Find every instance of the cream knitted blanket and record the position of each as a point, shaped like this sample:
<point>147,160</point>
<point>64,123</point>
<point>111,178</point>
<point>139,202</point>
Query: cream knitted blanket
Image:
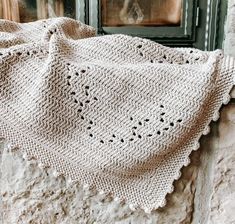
<point>119,113</point>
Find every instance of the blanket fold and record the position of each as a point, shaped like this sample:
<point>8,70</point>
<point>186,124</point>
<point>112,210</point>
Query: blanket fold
<point>116,112</point>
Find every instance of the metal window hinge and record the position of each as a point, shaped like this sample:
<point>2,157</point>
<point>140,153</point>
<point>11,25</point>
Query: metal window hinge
<point>197,16</point>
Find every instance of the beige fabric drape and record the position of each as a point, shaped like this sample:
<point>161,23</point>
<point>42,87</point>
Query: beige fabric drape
<point>113,112</point>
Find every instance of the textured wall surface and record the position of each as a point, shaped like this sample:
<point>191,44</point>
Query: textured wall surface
<point>222,204</point>
<point>215,190</point>
<point>229,43</point>
<point>34,195</point>
<point>223,196</point>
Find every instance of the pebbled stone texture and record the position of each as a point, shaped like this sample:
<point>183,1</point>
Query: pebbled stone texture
<point>222,204</point>
<point>34,195</point>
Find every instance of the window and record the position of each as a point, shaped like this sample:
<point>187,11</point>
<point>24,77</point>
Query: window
<point>179,23</point>
<point>138,13</point>
<point>155,19</point>
<point>30,10</point>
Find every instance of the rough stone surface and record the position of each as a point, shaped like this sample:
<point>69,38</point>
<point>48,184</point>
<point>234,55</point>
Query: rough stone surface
<point>215,189</point>
<point>204,182</point>
<point>222,201</point>
<point>222,204</point>
<point>229,42</point>
<point>34,195</point>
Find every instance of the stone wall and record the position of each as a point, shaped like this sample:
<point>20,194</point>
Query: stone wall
<point>222,204</point>
<point>229,43</point>
<point>34,195</point>
<point>215,190</point>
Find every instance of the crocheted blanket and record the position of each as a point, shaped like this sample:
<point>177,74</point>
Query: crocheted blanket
<point>115,112</point>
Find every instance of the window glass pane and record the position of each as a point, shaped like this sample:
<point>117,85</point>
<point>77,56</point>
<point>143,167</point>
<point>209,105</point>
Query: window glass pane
<point>141,12</point>
<point>30,10</point>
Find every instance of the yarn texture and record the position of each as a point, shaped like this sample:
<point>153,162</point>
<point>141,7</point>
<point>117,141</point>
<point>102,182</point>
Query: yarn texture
<point>115,112</point>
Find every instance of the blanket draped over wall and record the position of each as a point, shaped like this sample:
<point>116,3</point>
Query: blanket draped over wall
<point>115,112</point>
